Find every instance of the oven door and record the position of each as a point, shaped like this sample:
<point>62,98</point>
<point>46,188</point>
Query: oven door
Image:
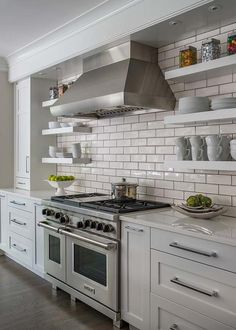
<point>54,251</point>
<point>92,268</point>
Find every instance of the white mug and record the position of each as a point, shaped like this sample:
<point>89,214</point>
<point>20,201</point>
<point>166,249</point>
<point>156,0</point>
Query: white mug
<point>213,140</point>
<point>197,153</point>
<point>214,152</point>
<point>76,150</point>
<point>52,151</point>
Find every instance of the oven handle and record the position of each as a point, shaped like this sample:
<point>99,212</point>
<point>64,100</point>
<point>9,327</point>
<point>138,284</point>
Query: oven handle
<point>106,246</point>
<point>44,224</point>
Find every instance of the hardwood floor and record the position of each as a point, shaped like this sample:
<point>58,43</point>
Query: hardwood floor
<point>27,303</point>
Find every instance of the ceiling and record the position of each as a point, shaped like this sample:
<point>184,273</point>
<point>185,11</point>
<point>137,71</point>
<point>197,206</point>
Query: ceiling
<point>24,21</point>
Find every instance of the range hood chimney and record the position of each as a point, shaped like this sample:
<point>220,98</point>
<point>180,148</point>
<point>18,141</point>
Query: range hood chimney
<point>121,79</point>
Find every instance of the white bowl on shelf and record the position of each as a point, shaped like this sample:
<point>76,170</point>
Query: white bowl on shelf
<point>63,154</point>
<point>60,186</point>
<point>65,125</point>
<point>53,124</point>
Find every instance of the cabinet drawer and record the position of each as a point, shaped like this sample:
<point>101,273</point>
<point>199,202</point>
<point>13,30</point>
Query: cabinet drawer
<point>202,288</point>
<point>20,222</point>
<point>207,252</point>
<point>23,183</point>
<point>20,203</point>
<point>166,315</point>
<point>21,248</point>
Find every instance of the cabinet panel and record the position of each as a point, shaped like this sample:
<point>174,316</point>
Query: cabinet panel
<point>135,274</point>
<point>166,315</point>
<point>23,145</point>
<point>205,289</point>
<point>21,222</point>
<point>20,248</point>
<point>3,222</point>
<point>39,241</point>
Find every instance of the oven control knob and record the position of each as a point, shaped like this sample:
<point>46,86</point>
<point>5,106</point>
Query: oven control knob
<point>99,226</point>
<point>86,223</point>
<point>108,228</point>
<point>58,215</point>
<point>44,211</point>
<point>64,219</point>
<point>80,224</point>
<point>93,224</point>
<point>49,212</point>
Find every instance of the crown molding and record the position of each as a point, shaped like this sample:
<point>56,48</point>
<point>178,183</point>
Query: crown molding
<point>3,64</point>
<point>109,22</point>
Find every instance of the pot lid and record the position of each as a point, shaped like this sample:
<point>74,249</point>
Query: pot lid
<point>124,183</point>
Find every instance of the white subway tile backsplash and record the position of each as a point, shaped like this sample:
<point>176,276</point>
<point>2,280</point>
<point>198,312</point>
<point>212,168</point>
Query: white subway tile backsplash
<point>136,145</point>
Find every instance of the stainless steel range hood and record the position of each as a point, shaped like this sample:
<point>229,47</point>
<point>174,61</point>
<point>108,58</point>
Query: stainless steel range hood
<point>119,80</point>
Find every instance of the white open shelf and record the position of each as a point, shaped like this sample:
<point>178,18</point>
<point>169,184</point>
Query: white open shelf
<point>69,161</point>
<point>202,165</point>
<point>200,71</point>
<point>67,130</point>
<point>48,103</point>
<point>198,117</point>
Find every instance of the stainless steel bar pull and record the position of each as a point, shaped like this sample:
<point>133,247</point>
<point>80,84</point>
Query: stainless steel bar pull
<point>106,246</point>
<point>18,248</point>
<point>44,224</point>
<point>18,222</point>
<point>139,230</point>
<point>17,203</point>
<point>194,288</point>
<point>26,164</point>
<point>190,249</point>
<point>173,327</point>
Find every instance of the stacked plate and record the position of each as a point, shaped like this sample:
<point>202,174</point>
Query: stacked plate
<point>193,104</point>
<point>200,212</point>
<point>223,103</point>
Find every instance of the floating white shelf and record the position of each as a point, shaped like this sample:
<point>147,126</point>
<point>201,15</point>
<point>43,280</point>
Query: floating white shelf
<point>198,117</point>
<point>200,71</point>
<point>66,160</point>
<point>67,130</point>
<point>202,165</point>
<point>48,103</point>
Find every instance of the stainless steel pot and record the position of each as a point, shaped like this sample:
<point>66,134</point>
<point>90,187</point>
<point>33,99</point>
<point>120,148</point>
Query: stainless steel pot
<point>124,190</point>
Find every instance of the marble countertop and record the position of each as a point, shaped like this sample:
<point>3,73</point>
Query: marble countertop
<point>36,195</point>
<point>221,229</point>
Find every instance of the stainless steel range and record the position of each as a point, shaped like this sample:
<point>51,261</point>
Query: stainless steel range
<point>82,247</point>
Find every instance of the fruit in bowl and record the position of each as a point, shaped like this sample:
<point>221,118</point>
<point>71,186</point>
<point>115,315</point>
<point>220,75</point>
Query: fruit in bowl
<point>60,182</point>
<point>199,200</point>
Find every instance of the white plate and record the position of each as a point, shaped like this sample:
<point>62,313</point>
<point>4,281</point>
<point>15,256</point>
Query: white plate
<point>201,209</point>
<point>207,215</point>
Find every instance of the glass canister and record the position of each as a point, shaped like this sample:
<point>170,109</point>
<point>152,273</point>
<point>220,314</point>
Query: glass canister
<point>210,49</point>
<point>187,56</point>
<point>231,43</point>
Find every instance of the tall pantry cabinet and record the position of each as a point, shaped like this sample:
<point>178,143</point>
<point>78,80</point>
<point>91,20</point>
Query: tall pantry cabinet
<point>30,145</point>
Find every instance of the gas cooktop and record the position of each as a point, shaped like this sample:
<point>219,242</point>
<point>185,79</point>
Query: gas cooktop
<point>103,202</point>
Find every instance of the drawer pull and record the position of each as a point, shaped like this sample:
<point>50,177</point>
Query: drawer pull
<point>18,222</point>
<point>190,249</point>
<point>139,230</point>
<point>194,288</point>
<point>17,203</point>
<point>18,248</point>
<point>174,327</point>
<point>23,183</point>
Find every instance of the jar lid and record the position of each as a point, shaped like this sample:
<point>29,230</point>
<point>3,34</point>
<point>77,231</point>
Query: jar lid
<point>211,41</point>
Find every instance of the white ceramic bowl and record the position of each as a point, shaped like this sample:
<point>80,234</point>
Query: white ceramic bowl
<point>233,153</point>
<point>64,154</point>
<point>54,124</point>
<point>60,186</point>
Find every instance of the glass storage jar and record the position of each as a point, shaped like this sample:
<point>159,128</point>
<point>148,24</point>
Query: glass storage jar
<point>210,50</point>
<point>187,56</point>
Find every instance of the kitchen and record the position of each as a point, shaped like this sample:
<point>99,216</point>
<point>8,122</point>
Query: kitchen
<point>97,144</point>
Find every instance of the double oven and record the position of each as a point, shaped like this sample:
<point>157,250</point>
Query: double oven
<point>83,260</point>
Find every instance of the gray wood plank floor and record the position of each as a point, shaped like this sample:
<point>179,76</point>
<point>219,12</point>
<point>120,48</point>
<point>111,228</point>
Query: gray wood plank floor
<point>27,303</point>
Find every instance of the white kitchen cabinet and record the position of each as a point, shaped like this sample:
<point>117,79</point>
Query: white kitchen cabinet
<point>167,315</point>
<point>3,222</point>
<point>39,241</point>
<point>135,275</point>
<point>30,146</point>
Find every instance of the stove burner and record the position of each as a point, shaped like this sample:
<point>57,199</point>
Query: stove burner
<point>117,206</point>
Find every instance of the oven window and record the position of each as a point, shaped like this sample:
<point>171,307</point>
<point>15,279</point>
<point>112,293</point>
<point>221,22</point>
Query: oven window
<point>54,249</point>
<point>90,264</point>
